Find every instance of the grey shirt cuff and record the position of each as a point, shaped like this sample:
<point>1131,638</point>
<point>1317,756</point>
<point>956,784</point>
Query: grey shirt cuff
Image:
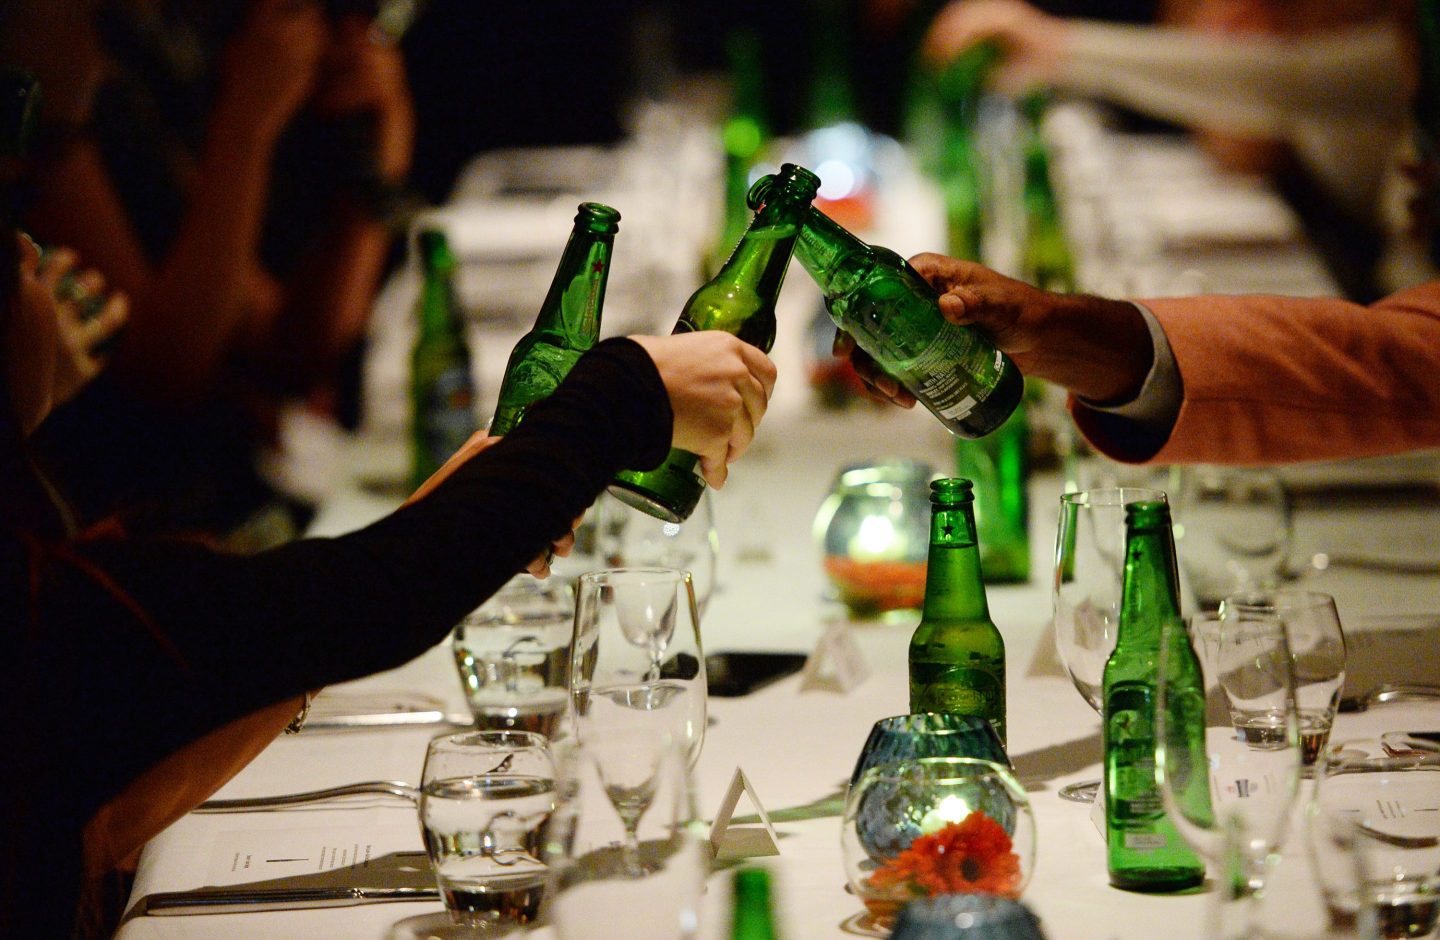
<point>1155,407</point>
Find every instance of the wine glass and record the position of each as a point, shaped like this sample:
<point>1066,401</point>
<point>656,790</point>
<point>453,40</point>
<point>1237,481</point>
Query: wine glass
<point>1232,530</point>
<point>1312,627</point>
<point>627,538</point>
<point>1232,769</point>
<point>636,662</point>
<point>484,799</point>
<point>1089,571</point>
<point>1374,836</point>
<point>605,869</point>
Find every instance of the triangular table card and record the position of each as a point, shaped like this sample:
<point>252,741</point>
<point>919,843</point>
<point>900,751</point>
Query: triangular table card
<point>729,842</point>
<point>836,664</point>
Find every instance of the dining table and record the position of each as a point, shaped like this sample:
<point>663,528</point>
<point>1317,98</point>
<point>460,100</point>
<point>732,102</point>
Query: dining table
<point>797,739</point>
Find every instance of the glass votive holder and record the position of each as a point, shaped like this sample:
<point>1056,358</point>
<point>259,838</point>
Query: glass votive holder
<point>929,734</point>
<point>933,826</point>
<point>966,917</point>
<point>874,532</point>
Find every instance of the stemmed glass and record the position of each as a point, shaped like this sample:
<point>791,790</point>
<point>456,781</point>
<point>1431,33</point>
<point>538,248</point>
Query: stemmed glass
<point>627,538</point>
<point>1089,571</point>
<point>1312,627</point>
<point>647,873</point>
<point>1374,828</point>
<point>1232,530</point>
<point>1233,769</point>
<point>484,799</point>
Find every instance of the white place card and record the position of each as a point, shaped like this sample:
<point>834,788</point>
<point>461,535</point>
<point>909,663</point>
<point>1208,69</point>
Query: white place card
<point>836,664</point>
<point>240,856</point>
<point>732,842</point>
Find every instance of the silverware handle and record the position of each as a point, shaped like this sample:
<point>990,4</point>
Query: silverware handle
<point>240,900</point>
<point>393,788</point>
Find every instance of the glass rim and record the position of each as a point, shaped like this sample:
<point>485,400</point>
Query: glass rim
<point>461,740</point>
<point>1298,599</point>
<point>660,573</point>
<point>1113,497</point>
<point>898,722</point>
<point>896,770</point>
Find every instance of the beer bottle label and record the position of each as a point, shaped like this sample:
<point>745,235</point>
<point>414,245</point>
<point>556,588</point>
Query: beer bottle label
<point>956,372</point>
<point>447,413</point>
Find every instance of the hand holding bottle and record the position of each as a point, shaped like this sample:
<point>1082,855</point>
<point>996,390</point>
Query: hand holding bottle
<point>719,389</point>
<point>1034,42</point>
<point>1099,349</point>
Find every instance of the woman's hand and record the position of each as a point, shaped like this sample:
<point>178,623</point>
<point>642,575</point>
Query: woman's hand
<point>719,389</point>
<point>1033,42</point>
<point>85,318</point>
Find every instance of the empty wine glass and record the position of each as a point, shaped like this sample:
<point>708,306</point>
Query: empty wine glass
<point>1233,769</point>
<point>484,799</point>
<point>1089,571</point>
<point>645,872</point>
<point>1232,530</point>
<point>1312,628</point>
<point>627,538</point>
<point>636,662</point>
<point>1374,836</point>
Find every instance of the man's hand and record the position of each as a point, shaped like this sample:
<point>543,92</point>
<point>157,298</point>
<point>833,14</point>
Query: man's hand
<point>1034,43</point>
<point>719,389</point>
<point>1099,349</point>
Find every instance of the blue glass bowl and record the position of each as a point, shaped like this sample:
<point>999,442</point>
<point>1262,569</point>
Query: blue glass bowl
<point>966,917</point>
<point>907,737</point>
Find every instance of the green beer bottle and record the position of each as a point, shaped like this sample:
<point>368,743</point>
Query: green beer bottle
<point>740,300</point>
<point>1046,262</point>
<point>962,170</point>
<point>442,390</point>
<point>999,466</point>
<point>751,917</point>
<point>957,656</point>
<point>744,136</point>
<point>894,315</point>
<point>569,319</point>
<point>1146,852</point>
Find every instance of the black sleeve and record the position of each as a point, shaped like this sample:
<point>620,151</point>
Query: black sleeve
<point>244,632</point>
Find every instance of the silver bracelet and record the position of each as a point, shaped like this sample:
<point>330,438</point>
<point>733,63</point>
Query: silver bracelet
<point>298,722</point>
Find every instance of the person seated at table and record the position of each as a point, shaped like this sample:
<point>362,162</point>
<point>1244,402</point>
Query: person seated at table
<point>231,167</point>
<point>139,674</point>
<point>1315,91</point>
<point>1215,379</point>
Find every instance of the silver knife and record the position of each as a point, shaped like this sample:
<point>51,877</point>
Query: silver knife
<point>245,900</point>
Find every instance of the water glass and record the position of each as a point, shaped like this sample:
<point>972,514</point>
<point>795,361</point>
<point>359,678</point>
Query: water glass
<point>628,538</point>
<point>1317,649</point>
<point>1374,837</point>
<point>609,867</point>
<point>513,657</point>
<point>484,800</point>
<point>636,663</point>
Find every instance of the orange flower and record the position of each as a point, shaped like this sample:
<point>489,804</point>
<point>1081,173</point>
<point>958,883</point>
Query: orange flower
<point>972,856</point>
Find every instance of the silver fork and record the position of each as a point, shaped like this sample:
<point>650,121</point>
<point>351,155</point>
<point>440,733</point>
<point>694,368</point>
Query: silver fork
<point>393,788</point>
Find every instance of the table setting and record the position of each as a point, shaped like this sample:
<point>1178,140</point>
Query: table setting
<point>565,764</point>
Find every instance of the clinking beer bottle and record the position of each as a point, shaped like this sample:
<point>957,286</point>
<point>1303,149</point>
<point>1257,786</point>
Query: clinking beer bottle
<point>957,656</point>
<point>999,466</point>
<point>740,299</point>
<point>894,315</point>
<point>1145,851</point>
<point>751,917</point>
<point>442,391</point>
<point>569,320</point>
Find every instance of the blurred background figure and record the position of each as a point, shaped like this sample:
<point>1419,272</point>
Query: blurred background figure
<point>231,166</point>
<point>1314,94</point>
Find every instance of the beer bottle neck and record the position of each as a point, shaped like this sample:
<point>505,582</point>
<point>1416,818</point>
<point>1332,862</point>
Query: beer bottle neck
<point>954,589</point>
<point>1149,597</point>
<point>438,314</point>
<point>837,260</point>
<point>752,918</point>
<point>572,308</point>
<point>760,259</point>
